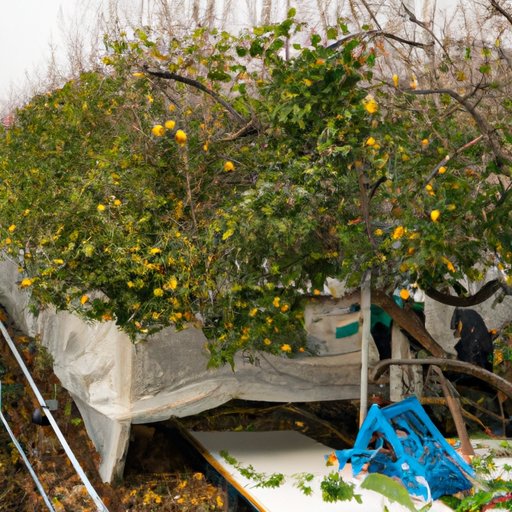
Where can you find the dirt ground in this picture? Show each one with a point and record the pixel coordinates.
(162, 472)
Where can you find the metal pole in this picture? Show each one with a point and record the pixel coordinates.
(40, 488)
(366, 300)
(90, 489)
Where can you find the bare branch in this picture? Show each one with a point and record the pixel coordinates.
(369, 33)
(198, 85)
(444, 161)
(371, 13)
(502, 11)
(375, 186)
(456, 411)
(248, 129)
(453, 365)
(424, 26)
(484, 126)
(487, 291)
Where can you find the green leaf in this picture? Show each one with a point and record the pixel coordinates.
(390, 488)
(219, 75)
(315, 39)
(283, 28)
(141, 35)
(334, 489)
(332, 33)
(256, 48)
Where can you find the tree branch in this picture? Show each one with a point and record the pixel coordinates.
(502, 11)
(456, 411)
(487, 291)
(485, 128)
(248, 129)
(375, 186)
(424, 26)
(365, 204)
(408, 322)
(452, 365)
(369, 33)
(448, 157)
(198, 85)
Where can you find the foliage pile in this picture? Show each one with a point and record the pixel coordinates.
(217, 180)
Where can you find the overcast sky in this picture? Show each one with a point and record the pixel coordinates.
(26, 29)
(29, 29)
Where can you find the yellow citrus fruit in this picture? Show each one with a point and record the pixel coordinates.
(170, 124)
(434, 215)
(171, 107)
(424, 142)
(229, 166)
(158, 130)
(370, 104)
(404, 294)
(398, 233)
(442, 170)
(180, 137)
(370, 141)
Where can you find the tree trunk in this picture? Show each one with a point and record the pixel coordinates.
(322, 14)
(266, 11)
(409, 322)
(210, 14)
(195, 12)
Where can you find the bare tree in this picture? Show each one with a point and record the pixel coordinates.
(322, 12)
(209, 18)
(195, 11)
(266, 11)
(226, 12)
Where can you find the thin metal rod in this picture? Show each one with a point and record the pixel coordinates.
(90, 489)
(40, 488)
